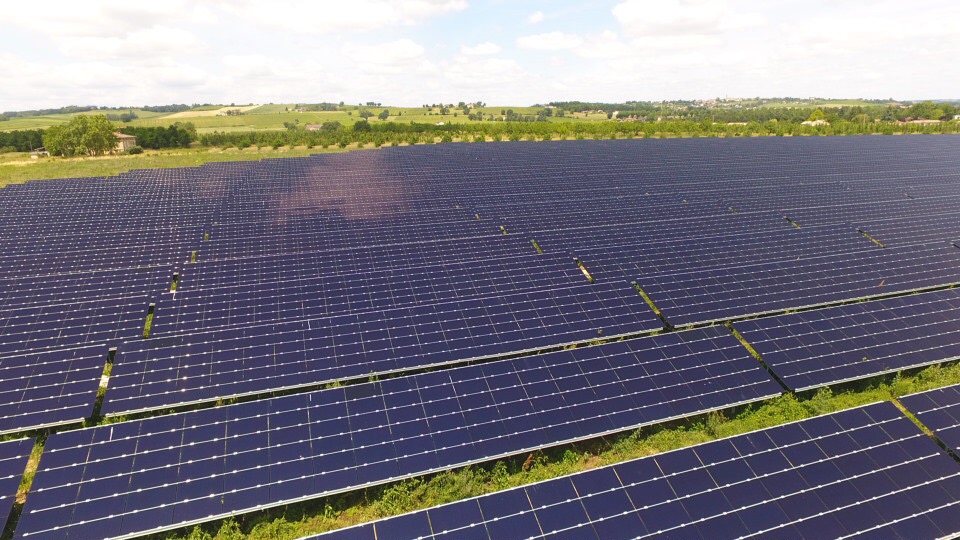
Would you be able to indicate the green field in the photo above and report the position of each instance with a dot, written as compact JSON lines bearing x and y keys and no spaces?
{"x":18,"y":167}
{"x":273,"y":116}
{"x":42,"y":122}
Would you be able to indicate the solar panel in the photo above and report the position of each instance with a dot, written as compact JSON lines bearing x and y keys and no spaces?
{"x":13,"y":462}
{"x":914,"y":229}
{"x":939,"y":410}
{"x":49,"y":388}
{"x":381,"y":289}
{"x":632,"y":260}
{"x":863,"y":472}
{"x":730,"y":292}
{"x":241,"y":457}
{"x":59,"y":326}
{"x":187,"y":368}
{"x":865,"y":339}
{"x":251,"y":271}
{"x":74,"y":287}
{"x":601,"y":237}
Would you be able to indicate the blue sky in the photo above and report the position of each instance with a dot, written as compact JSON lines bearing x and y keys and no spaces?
{"x":410,"y":52}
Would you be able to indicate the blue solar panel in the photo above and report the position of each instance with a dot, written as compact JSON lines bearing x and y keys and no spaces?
{"x":640,"y":257}
{"x":938,"y":410}
{"x":236,"y":458}
{"x":754,"y":289}
{"x":375,"y":290}
{"x":49,"y":388}
{"x":914,"y":229}
{"x":864,"y":472}
{"x":204,"y":366}
{"x":13,"y":461}
{"x":865,"y":339}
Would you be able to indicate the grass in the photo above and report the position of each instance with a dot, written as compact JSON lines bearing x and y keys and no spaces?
{"x":18,"y":167}
{"x":374,"y":503}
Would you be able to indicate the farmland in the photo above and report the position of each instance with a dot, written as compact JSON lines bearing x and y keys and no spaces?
{"x":273,"y":116}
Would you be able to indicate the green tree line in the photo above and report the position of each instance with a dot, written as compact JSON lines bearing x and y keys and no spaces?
{"x":21,"y":141}
{"x":381,"y":133}
{"x":176,"y":136}
{"x":95,"y":135}
{"x":75,"y":137}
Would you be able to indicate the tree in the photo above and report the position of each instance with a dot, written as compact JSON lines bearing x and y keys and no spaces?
{"x":82,"y":135}
{"x":384,"y":114}
{"x":365,"y":114}
{"x":926,"y":109}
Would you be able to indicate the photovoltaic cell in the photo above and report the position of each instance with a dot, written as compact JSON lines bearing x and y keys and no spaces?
{"x":240,"y":457}
{"x":865,"y":472}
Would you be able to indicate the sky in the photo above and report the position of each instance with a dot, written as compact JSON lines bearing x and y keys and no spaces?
{"x":501,"y":52}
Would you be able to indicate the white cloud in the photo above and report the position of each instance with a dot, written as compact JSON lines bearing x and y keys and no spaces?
{"x":313,"y":17}
{"x":481,"y":49}
{"x":400,"y":51}
{"x":682,"y":17}
{"x":405,"y":52}
{"x":148,"y":43}
{"x":550,"y":41}
{"x":103,"y":18}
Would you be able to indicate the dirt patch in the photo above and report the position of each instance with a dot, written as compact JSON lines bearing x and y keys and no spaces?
{"x":214,"y":112}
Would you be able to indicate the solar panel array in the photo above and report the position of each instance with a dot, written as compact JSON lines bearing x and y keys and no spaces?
{"x":477,"y":301}
{"x":866,"y":472}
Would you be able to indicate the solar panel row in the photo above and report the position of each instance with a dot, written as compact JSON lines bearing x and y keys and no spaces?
{"x":243,"y":360}
{"x":114,"y":479}
{"x":251,"y":271}
{"x":44,"y":389}
{"x":938,"y":410}
{"x":854,"y":341}
{"x":758,"y":288}
{"x":629,"y":260}
{"x":245,"y":303}
{"x":866,"y":472}
{"x":13,"y":462}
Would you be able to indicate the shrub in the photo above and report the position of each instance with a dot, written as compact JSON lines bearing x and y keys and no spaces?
{"x":135,"y":150}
